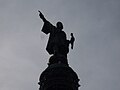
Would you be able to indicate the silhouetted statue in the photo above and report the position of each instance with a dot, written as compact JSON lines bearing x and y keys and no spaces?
{"x":57,"y":43}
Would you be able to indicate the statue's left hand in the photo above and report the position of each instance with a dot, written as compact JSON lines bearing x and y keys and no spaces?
{"x":72,"y":40}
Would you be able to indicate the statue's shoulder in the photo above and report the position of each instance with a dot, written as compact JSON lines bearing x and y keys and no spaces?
{"x":63,"y":32}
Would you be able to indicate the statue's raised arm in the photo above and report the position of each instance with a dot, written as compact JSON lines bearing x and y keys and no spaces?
{"x":47,"y":26}
{"x":42,"y":16}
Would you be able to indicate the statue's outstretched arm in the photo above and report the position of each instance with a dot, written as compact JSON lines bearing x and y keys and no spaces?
{"x":42,"y":16}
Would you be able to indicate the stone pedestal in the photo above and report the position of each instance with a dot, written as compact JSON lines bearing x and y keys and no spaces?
{"x":58,"y":76}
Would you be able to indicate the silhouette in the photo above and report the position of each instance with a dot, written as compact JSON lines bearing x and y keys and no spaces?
{"x":58,"y":75}
{"x":57,"y":43}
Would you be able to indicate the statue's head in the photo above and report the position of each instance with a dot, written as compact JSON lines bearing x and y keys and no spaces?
{"x":59,"y":25}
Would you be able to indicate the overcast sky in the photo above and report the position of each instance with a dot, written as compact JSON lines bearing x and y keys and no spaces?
{"x":96,"y":55}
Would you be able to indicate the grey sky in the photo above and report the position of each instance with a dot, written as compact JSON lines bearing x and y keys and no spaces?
{"x":96,"y":55}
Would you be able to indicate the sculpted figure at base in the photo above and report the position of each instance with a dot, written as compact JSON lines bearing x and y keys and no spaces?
{"x":57,"y":43}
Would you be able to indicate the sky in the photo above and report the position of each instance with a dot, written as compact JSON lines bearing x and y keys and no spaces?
{"x":96,"y":54}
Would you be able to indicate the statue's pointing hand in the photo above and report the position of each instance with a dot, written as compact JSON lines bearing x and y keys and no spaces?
{"x":41,"y":15}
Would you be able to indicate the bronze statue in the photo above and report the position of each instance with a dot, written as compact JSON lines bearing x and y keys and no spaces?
{"x":57,"y":43}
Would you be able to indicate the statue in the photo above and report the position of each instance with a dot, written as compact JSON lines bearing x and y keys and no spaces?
{"x":57,"y":43}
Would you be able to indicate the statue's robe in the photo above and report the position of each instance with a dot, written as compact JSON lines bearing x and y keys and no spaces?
{"x":56,"y":38}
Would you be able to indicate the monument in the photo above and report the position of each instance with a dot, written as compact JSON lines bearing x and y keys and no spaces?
{"x":58,"y":75}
